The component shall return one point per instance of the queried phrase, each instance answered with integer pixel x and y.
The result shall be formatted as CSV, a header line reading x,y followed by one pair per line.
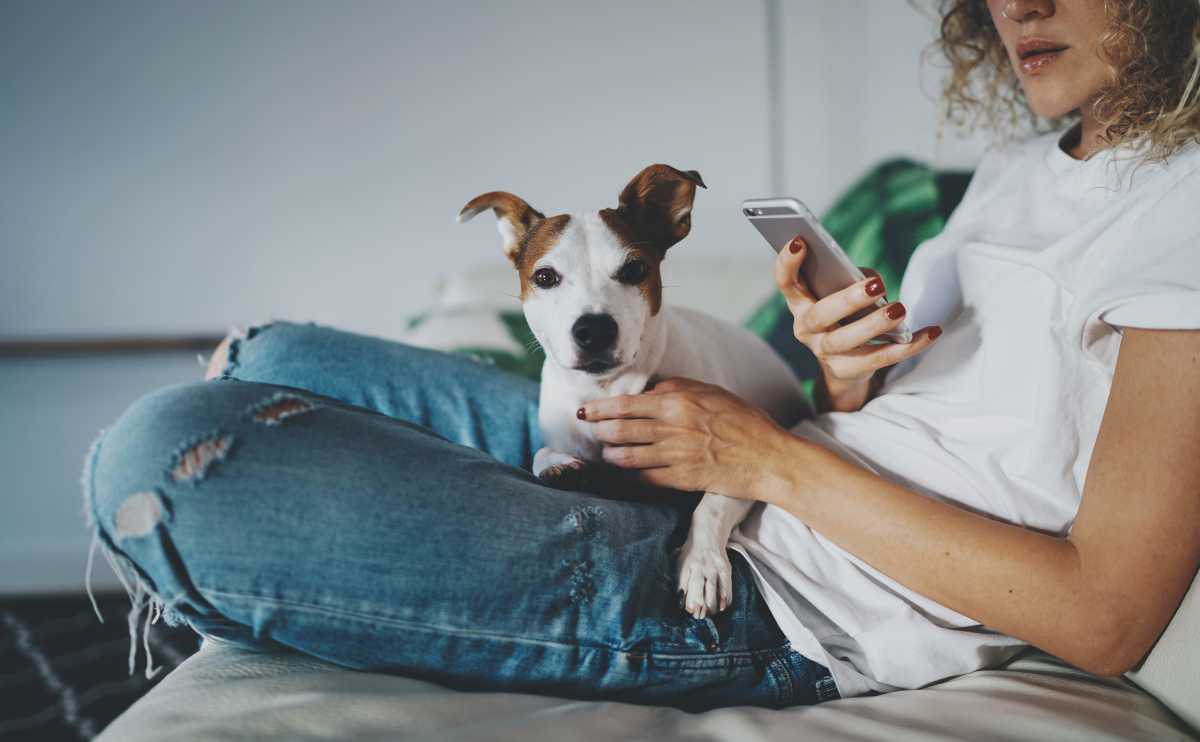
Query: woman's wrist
x,y
836,395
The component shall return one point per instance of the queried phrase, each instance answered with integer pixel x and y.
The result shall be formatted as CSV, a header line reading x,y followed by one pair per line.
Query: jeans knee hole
x,y
196,457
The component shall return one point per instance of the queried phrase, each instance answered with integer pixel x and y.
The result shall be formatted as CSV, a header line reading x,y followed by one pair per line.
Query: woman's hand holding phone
x,y
849,364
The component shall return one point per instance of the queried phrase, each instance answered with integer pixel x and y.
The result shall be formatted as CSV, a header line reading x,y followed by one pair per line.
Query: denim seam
x,y
785,687
724,659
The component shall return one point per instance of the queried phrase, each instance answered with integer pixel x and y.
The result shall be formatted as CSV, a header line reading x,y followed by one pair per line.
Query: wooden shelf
x,y
31,347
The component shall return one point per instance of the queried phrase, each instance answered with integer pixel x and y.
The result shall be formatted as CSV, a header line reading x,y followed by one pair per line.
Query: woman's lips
x,y
1036,54
1037,62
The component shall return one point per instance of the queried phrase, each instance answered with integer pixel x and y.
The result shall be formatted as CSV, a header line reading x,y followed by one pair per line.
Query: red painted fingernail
x,y
894,311
933,334
796,246
581,413
874,287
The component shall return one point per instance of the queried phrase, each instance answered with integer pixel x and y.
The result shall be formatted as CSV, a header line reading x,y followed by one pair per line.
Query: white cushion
x,y
451,329
230,694
1172,670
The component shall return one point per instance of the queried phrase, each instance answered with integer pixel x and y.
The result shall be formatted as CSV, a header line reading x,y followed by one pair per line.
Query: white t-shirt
x,y
1042,263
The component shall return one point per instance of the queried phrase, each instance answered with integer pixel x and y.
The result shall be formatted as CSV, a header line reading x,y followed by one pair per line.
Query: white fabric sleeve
x,y
1169,310
1149,276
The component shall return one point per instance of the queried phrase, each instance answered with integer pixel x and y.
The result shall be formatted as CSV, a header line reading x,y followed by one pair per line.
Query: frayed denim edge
x,y
236,337
141,596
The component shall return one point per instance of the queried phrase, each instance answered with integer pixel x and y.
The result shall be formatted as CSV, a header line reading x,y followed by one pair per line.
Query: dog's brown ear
x,y
658,201
515,217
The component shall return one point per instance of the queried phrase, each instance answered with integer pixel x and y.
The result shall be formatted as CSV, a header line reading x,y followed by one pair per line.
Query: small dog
x,y
591,290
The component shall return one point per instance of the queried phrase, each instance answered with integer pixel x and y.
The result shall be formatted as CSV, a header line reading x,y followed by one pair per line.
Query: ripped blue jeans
x,y
370,503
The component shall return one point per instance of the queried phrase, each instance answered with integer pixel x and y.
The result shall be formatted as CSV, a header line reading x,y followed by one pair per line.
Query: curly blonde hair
x,y
1151,46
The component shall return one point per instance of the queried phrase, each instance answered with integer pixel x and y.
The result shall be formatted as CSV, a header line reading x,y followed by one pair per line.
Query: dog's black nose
x,y
595,333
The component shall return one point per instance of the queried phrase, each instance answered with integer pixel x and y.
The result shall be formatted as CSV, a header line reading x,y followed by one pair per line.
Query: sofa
x,y
227,692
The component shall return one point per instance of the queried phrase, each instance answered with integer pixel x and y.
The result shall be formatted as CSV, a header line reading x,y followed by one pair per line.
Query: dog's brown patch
x,y
520,217
644,247
536,243
659,202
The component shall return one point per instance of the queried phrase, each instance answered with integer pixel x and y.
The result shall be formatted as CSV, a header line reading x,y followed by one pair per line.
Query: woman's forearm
x,y
1019,582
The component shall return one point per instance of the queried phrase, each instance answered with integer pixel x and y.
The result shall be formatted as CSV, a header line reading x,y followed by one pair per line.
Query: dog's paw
x,y
547,458
565,472
562,476
559,470
705,577
577,476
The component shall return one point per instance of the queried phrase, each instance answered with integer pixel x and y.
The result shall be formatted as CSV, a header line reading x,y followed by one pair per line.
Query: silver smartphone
x,y
826,267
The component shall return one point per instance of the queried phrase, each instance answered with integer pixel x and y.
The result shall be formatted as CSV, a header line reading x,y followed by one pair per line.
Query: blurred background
x,y
170,169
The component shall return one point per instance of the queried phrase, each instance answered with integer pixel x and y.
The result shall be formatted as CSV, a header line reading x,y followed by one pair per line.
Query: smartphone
x,y
826,268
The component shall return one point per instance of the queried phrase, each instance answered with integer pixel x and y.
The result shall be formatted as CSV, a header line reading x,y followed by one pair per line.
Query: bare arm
x,y
1098,598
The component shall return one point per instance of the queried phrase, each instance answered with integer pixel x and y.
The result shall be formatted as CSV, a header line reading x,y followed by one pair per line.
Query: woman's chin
x,y
1050,98
1050,107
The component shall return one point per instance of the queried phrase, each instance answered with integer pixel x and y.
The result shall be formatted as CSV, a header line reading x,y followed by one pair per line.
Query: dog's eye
x,y
633,272
546,278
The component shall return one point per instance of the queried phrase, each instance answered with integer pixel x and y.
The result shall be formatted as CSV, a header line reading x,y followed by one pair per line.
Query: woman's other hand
x,y
691,436
850,368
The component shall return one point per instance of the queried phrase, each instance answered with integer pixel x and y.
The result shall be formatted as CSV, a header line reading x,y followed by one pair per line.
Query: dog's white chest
x,y
564,433
561,429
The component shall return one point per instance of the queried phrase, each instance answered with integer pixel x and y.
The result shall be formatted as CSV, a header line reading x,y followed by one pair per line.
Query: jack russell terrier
x,y
591,290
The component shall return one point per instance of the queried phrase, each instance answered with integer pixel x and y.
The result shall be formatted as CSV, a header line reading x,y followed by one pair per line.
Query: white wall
x,y
187,166
855,91
176,167
52,409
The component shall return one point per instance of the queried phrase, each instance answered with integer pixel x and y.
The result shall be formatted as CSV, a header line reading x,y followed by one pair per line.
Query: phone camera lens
x,y
748,212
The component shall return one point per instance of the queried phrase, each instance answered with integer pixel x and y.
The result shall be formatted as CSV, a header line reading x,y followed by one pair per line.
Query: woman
x,y
1028,477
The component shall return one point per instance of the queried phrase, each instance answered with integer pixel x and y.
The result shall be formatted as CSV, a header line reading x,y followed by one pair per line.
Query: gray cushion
x,y
1172,670
230,694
